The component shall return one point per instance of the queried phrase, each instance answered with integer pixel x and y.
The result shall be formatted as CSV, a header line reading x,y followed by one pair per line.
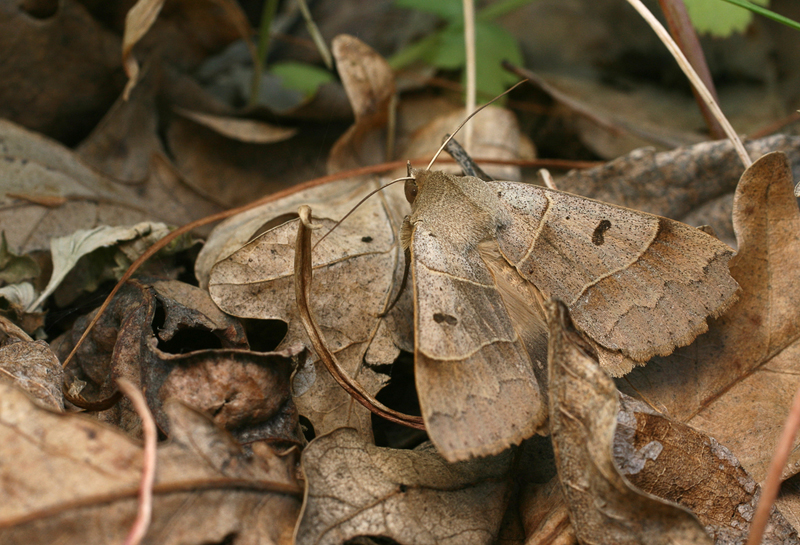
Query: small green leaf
x,y
719,18
302,77
495,45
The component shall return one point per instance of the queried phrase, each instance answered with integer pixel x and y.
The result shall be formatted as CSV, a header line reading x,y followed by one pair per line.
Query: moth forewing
x,y
475,382
635,283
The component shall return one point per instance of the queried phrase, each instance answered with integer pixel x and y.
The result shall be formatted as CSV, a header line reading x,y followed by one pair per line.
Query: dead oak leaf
x,y
363,259
67,475
604,507
737,381
676,462
672,183
411,497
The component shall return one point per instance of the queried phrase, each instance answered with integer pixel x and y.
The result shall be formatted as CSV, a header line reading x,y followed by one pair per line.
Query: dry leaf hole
x,y
185,339
264,335
308,428
401,395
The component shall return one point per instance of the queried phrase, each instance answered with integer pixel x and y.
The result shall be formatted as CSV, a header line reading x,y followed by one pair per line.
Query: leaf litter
x,y
261,445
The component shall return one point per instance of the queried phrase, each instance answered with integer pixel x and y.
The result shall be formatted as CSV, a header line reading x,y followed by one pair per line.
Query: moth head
x,y
411,188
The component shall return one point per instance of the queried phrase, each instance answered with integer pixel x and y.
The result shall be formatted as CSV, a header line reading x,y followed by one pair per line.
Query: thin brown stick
x,y
769,492
145,511
469,48
302,286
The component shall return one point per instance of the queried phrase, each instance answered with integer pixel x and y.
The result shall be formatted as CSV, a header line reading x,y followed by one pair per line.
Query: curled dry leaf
x,y
676,462
369,83
71,476
247,392
604,506
66,251
737,381
363,259
244,130
411,497
185,33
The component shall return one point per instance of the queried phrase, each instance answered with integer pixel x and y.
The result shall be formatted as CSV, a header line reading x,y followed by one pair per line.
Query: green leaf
x,y
494,45
451,10
719,18
302,77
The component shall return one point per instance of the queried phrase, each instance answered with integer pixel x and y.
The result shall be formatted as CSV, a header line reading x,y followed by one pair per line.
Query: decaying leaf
x,y
604,507
246,392
244,130
66,251
363,256
33,366
672,183
15,268
73,477
737,381
676,462
412,497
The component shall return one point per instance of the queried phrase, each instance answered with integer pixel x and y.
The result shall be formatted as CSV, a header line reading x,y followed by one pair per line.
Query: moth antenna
x,y
470,116
362,201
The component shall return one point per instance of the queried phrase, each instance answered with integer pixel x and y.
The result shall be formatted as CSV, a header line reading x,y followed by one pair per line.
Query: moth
x,y
484,254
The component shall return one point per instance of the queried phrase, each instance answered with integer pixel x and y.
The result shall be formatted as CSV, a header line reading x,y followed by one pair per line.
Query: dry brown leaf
x,y
47,191
604,507
211,369
32,366
137,22
361,257
122,144
72,477
545,515
60,71
672,183
244,130
676,462
369,82
210,161
737,381
412,497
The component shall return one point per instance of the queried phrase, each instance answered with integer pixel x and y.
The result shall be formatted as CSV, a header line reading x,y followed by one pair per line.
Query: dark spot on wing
x,y
366,239
446,318
597,236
